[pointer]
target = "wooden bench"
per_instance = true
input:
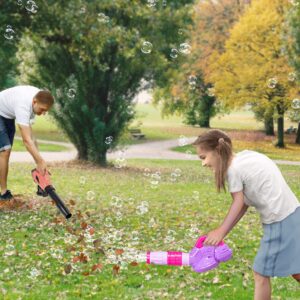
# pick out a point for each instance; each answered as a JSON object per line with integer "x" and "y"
{"x": 136, "y": 133}
{"x": 291, "y": 130}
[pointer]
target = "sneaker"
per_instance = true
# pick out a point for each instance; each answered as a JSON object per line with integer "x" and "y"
{"x": 6, "y": 196}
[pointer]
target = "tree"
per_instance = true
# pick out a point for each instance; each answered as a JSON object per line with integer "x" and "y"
{"x": 253, "y": 69}
{"x": 292, "y": 46}
{"x": 93, "y": 55}
{"x": 189, "y": 92}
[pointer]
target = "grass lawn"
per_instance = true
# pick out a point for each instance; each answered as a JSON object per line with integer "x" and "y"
{"x": 143, "y": 206}
{"x": 18, "y": 146}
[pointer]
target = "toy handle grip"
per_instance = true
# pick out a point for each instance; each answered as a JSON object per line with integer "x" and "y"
{"x": 201, "y": 239}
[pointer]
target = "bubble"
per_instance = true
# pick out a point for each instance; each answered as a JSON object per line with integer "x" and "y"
{"x": 31, "y": 6}
{"x": 195, "y": 195}
{"x": 296, "y": 104}
{"x": 108, "y": 140}
{"x": 116, "y": 201}
{"x": 294, "y": 2}
{"x": 174, "y": 53}
{"x": 9, "y": 33}
{"x": 189, "y": 154}
{"x": 83, "y": 10}
{"x": 192, "y": 80}
{"x": 102, "y": 18}
{"x": 71, "y": 93}
{"x": 82, "y": 180}
{"x": 148, "y": 276}
{"x": 147, "y": 47}
{"x": 151, "y": 3}
{"x": 185, "y": 48}
{"x": 147, "y": 172}
{"x": 155, "y": 180}
{"x": 292, "y": 76}
{"x": 272, "y": 82}
{"x": 182, "y": 141}
{"x": 34, "y": 273}
{"x": 90, "y": 195}
{"x": 143, "y": 208}
{"x": 181, "y": 31}
{"x": 211, "y": 92}
{"x": 164, "y": 3}
{"x": 120, "y": 163}
{"x": 108, "y": 222}
{"x": 152, "y": 222}
{"x": 20, "y": 2}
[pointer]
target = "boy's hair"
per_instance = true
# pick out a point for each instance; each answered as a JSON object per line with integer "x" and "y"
{"x": 218, "y": 141}
{"x": 44, "y": 97}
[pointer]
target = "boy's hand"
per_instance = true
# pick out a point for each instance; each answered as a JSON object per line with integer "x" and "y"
{"x": 214, "y": 237}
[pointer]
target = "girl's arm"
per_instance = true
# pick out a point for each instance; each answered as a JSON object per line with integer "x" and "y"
{"x": 236, "y": 212}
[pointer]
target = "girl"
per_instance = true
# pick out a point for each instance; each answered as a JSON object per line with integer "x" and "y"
{"x": 253, "y": 179}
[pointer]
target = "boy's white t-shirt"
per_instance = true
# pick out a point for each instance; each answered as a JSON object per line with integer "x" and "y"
{"x": 262, "y": 184}
{"x": 16, "y": 103}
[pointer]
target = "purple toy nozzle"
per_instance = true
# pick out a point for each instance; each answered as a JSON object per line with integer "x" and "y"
{"x": 201, "y": 258}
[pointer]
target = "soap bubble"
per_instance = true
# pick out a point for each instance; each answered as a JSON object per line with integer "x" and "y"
{"x": 9, "y": 33}
{"x": 147, "y": 172}
{"x": 296, "y": 104}
{"x": 82, "y": 180}
{"x": 195, "y": 195}
{"x": 71, "y": 93}
{"x": 272, "y": 82}
{"x": 31, "y": 6}
{"x": 108, "y": 140}
{"x": 292, "y": 76}
{"x": 143, "y": 208}
{"x": 185, "y": 48}
{"x": 102, "y": 18}
{"x": 146, "y": 47}
{"x": 182, "y": 141}
{"x": 83, "y": 10}
{"x": 211, "y": 92}
{"x": 189, "y": 154}
{"x": 90, "y": 195}
{"x": 20, "y": 2}
{"x": 192, "y": 80}
{"x": 120, "y": 163}
{"x": 174, "y": 53}
{"x": 164, "y": 3}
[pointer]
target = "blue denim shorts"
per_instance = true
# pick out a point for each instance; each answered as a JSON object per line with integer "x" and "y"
{"x": 7, "y": 133}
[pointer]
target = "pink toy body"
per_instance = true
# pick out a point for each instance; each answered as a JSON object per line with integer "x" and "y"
{"x": 201, "y": 258}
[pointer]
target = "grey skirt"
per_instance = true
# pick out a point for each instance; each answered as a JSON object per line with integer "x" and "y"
{"x": 279, "y": 251}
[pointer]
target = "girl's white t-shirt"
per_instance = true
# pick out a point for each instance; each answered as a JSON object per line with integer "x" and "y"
{"x": 262, "y": 184}
{"x": 16, "y": 103}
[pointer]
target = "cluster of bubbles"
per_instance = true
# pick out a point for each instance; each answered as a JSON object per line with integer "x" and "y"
{"x": 192, "y": 80}
{"x": 30, "y": 6}
{"x": 9, "y": 33}
{"x": 103, "y": 18}
{"x": 120, "y": 161}
{"x": 153, "y": 3}
{"x": 184, "y": 49}
{"x": 175, "y": 175}
{"x": 154, "y": 178}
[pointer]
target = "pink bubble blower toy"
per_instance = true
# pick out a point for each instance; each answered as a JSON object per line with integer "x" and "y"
{"x": 201, "y": 258}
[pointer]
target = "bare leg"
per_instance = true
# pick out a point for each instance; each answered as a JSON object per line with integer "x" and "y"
{"x": 262, "y": 287}
{"x": 297, "y": 277}
{"x": 4, "y": 158}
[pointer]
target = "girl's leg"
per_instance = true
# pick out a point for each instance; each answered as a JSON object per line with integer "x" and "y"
{"x": 262, "y": 287}
{"x": 297, "y": 277}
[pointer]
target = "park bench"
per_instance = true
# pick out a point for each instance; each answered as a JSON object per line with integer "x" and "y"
{"x": 291, "y": 130}
{"x": 136, "y": 133}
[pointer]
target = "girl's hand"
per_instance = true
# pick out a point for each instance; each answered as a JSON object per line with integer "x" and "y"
{"x": 214, "y": 237}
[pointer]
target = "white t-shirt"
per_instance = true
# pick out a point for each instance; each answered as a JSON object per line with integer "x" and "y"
{"x": 16, "y": 103}
{"x": 262, "y": 184}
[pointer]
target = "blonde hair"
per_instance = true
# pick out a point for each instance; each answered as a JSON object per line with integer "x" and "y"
{"x": 219, "y": 142}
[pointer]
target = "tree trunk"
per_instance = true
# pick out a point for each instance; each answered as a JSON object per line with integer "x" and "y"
{"x": 269, "y": 125}
{"x": 280, "y": 127}
{"x": 298, "y": 135}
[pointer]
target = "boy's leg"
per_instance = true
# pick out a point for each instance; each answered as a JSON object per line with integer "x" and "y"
{"x": 262, "y": 287}
{"x": 297, "y": 277}
{"x": 4, "y": 158}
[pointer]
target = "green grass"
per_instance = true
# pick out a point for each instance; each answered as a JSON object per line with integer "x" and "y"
{"x": 19, "y": 146}
{"x": 37, "y": 245}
